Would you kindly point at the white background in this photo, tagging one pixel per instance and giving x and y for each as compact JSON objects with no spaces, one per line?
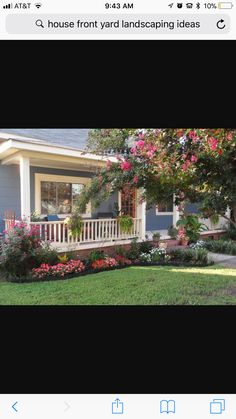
{"x":100,"y":406}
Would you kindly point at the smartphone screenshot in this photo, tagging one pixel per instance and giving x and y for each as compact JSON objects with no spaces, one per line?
{"x":102,"y":20}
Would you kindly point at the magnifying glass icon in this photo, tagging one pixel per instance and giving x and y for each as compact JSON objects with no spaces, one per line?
{"x":39,"y":22}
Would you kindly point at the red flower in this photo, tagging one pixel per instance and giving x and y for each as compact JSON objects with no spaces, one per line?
{"x":126,"y":166}
{"x":220,"y":151}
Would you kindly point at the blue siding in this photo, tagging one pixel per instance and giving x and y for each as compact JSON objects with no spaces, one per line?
{"x":157,"y":222}
{"x":106,"y":206}
{"x":9,"y":191}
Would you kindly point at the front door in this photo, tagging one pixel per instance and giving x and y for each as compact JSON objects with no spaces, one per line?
{"x":128,"y":203}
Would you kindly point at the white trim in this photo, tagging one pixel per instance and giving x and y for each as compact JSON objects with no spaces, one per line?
{"x":52,"y":149}
{"x":39,"y":177}
{"x":25,"y":188}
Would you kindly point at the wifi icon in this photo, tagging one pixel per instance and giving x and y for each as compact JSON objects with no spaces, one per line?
{"x":38,"y":5}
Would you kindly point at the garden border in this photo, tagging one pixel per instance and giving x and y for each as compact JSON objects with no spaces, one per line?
{"x":95,"y":271}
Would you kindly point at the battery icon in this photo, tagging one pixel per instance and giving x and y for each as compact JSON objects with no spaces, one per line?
{"x":225,"y":5}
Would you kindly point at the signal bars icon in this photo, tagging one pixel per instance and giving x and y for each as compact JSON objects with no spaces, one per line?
{"x":7,"y":6}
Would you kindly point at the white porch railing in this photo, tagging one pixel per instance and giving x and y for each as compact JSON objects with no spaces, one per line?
{"x":101,"y":230}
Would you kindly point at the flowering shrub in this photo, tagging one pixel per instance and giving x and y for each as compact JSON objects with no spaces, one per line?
{"x":200,"y":244}
{"x":23,"y":249}
{"x":104,"y":263}
{"x":60,"y":270}
{"x":155,"y":255}
{"x":122,"y":260}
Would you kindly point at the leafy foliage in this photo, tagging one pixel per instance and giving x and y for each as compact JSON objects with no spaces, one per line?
{"x":198,"y":165}
{"x":24,"y":250}
{"x":126,"y":224}
{"x":192,"y":226}
{"x":221,"y":246}
{"x":196,"y":256}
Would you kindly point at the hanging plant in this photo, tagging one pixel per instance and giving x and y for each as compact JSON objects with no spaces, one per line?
{"x":126,"y":223}
{"x":75,"y":224}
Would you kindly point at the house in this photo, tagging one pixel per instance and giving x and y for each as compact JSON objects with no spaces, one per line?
{"x":45,"y":173}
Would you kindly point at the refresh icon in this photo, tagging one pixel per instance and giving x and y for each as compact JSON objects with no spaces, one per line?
{"x":220,"y":24}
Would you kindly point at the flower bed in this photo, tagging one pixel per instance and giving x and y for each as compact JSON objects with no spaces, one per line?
{"x":60,"y":270}
{"x":140,"y":254}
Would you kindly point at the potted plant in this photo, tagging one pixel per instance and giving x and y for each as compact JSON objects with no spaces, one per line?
{"x":172,"y":232}
{"x":183,"y":238}
{"x":75,"y":224}
{"x":156,"y":237}
{"x":126,"y":224}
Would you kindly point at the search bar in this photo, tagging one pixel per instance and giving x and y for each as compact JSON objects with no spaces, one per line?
{"x":117,"y":24}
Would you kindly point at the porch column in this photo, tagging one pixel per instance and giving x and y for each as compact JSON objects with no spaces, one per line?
{"x":25,"y":188}
{"x":176,"y":215}
{"x":141,"y":213}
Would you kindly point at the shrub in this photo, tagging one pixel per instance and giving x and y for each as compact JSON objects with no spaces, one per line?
{"x":221,"y":246}
{"x":104,"y":263}
{"x":134,"y":250}
{"x":231,"y":232}
{"x":63,"y":258}
{"x":122,"y":260}
{"x":200,"y":244}
{"x":173,"y":232}
{"x":96,"y":255}
{"x":120,"y":251}
{"x":57,"y":271}
{"x":196,"y":256}
{"x":24,"y":250}
{"x":155,"y":255}
{"x":145,"y":247}
{"x":192,"y":226}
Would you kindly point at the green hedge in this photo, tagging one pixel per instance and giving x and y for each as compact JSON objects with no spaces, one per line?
{"x":227,"y":247}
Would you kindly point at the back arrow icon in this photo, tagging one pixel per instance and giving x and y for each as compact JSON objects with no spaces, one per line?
{"x":13,"y":407}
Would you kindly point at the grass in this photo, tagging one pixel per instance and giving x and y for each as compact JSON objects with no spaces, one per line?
{"x":131,"y":286}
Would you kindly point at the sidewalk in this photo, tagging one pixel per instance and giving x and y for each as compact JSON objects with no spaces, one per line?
{"x":228,"y":261}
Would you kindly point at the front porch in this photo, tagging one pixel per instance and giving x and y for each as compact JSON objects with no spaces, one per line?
{"x":94,"y":233}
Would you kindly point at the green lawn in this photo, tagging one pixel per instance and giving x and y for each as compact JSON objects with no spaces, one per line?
{"x":135,"y":285}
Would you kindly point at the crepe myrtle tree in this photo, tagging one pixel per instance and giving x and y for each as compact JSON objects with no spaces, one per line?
{"x":198,"y":165}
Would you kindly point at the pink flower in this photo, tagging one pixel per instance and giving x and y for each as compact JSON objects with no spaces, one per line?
{"x":126,"y":166}
{"x":141,"y":135}
{"x":186,"y":165}
{"x":108,"y":164}
{"x":140,"y":144}
{"x":229,"y":136}
{"x":194,"y":159}
{"x":135,"y":179}
{"x":213,"y":143}
{"x":193,"y":136}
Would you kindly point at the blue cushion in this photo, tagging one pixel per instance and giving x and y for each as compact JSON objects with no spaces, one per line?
{"x":53,"y":217}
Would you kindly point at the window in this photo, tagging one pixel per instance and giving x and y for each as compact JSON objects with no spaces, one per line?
{"x":165,"y":208}
{"x":59,"y":197}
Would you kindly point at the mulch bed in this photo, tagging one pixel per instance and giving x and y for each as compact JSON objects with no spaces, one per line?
{"x":89,"y":271}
